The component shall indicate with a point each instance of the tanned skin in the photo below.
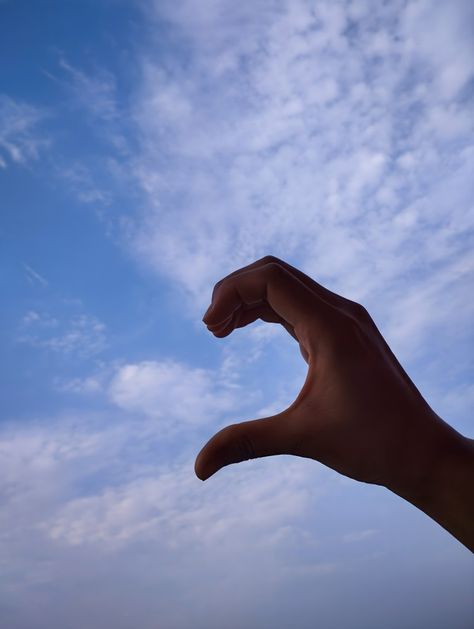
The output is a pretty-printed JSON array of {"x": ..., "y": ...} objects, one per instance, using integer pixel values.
[{"x": 358, "y": 411}]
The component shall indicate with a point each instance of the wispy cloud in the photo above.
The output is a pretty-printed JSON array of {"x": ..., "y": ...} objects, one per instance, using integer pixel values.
[
  {"x": 95, "y": 91},
  {"x": 80, "y": 180},
  {"x": 34, "y": 277},
  {"x": 80, "y": 335},
  {"x": 20, "y": 138},
  {"x": 89, "y": 384},
  {"x": 75, "y": 485},
  {"x": 358, "y": 536}
]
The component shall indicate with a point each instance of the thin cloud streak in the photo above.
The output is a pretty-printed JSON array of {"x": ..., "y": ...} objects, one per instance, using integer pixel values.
[{"x": 33, "y": 276}]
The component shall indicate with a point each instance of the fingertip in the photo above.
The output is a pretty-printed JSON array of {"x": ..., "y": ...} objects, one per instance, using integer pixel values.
[
  {"x": 203, "y": 472},
  {"x": 222, "y": 333},
  {"x": 207, "y": 314},
  {"x": 202, "y": 476},
  {"x": 200, "y": 470}
]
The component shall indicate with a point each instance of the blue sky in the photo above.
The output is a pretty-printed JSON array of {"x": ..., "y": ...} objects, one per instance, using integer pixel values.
[{"x": 147, "y": 149}]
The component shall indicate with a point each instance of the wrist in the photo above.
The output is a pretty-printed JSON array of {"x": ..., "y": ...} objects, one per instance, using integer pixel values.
[{"x": 437, "y": 476}]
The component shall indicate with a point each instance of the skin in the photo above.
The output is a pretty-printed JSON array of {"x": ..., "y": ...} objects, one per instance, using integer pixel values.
[{"x": 358, "y": 411}]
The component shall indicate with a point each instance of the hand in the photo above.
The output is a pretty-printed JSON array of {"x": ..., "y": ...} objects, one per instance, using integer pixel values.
[
  {"x": 358, "y": 412},
  {"x": 355, "y": 411}
]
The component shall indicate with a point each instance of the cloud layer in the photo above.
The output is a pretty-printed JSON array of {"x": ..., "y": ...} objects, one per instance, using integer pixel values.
[{"x": 338, "y": 136}]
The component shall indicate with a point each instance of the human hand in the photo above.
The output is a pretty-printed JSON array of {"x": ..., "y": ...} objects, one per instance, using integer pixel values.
[
  {"x": 357, "y": 406},
  {"x": 358, "y": 411}
]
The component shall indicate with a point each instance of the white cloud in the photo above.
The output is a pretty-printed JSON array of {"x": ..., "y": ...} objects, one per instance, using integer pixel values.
[
  {"x": 172, "y": 392},
  {"x": 441, "y": 37},
  {"x": 34, "y": 277},
  {"x": 81, "y": 182},
  {"x": 172, "y": 507},
  {"x": 322, "y": 140},
  {"x": 20, "y": 141},
  {"x": 87, "y": 385},
  {"x": 31, "y": 316},
  {"x": 246, "y": 347},
  {"x": 96, "y": 91},
  {"x": 424, "y": 310},
  {"x": 357, "y": 536},
  {"x": 81, "y": 334},
  {"x": 76, "y": 483}
]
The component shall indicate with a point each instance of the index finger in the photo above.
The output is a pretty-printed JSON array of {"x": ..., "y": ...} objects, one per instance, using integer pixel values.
[
  {"x": 332, "y": 298},
  {"x": 288, "y": 297}
]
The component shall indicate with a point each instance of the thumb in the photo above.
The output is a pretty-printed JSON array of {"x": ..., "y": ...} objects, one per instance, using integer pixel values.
[{"x": 241, "y": 442}]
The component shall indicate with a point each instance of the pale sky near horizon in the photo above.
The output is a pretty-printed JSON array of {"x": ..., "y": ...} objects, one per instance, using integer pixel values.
[{"x": 147, "y": 149}]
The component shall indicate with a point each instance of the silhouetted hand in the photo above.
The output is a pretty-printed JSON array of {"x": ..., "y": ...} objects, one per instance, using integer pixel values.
[{"x": 358, "y": 411}]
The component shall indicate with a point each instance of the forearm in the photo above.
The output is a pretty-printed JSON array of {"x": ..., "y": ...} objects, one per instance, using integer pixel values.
[{"x": 439, "y": 479}]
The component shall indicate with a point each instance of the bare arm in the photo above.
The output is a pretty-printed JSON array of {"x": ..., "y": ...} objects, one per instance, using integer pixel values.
[
  {"x": 441, "y": 483},
  {"x": 358, "y": 411}
]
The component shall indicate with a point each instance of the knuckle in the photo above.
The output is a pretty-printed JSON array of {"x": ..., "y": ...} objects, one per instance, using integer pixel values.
[
  {"x": 217, "y": 285},
  {"x": 350, "y": 336},
  {"x": 269, "y": 260},
  {"x": 357, "y": 310}
]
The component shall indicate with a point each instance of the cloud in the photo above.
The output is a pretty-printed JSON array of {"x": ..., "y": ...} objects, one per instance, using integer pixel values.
[
  {"x": 87, "y": 385},
  {"x": 424, "y": 311},
  {"x": 20, "y": 141},
  {"x": 247, "y": 347},
  {"x": 358, "y": 536},
  {"x": 81, "y": 334},
  {"x": 81, "y": 182},
  {"x": 172, "y": 392},
  {"x": 96, "y": 92},
  {"x": 446, "y": 47},
  {"x": 326, "y": 136},
  {"x": 34, "y": 277},
  {"x": 81, "y": 492},
  {"x": 168, "y": 507}
]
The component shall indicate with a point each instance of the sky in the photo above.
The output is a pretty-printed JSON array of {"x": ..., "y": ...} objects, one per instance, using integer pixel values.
[{"x": 147, "y": 149}]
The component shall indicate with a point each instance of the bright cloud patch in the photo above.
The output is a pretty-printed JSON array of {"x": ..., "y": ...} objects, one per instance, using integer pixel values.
[{"x": 170, "y": 390}]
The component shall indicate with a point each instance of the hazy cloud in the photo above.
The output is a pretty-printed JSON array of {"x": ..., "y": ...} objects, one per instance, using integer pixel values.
[
  {"x": 80, "y": 334},
  {"x": 20, "y": 139}
]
